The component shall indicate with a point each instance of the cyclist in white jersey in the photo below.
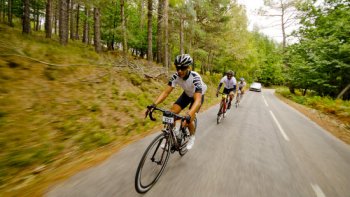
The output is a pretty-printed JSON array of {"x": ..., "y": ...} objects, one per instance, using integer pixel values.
[
  {"x": 229, "y": 82},
  {"x": 194, "y": 89},
  {"x": 241, "y": 85}
]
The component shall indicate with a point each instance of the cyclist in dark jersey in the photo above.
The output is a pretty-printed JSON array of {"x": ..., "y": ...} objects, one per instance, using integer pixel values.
[{"x": 194, "y": 89}]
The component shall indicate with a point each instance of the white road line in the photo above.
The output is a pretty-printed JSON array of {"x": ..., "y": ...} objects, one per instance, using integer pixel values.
[
  {"x": 265, "y": 102},
  {"x": 279, "y": 126},
  {"x": 318, "y": 190}
]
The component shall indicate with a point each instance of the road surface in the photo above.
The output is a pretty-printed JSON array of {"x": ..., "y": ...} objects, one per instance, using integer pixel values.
[{"x": 264, "y": 148}]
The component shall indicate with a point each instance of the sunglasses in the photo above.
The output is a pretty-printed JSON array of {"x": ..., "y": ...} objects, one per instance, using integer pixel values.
[
  {"x": 229, "y": 75},
  {"x": 181, "y": 68}
]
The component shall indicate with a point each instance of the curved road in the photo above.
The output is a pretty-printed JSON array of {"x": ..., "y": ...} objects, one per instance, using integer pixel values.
[{"x": 264, "y": 148}]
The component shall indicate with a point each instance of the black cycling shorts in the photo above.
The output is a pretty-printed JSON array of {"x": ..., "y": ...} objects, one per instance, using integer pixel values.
[
  {"x": 227, "y": 91},
  {"x": 184, "y": 100}
]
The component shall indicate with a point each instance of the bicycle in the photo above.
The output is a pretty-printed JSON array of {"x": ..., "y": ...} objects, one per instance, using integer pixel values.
[
  {"x": 156, "y": 156},
  {"x": 223, "y": 107},
  {"x": 238, "y": 97}
]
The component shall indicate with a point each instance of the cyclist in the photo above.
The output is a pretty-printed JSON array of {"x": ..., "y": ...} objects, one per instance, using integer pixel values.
[
  {"x": 241, "y": 85},
  {"x": 230, "y": 86},
  {"x": 194, "y": 89}
]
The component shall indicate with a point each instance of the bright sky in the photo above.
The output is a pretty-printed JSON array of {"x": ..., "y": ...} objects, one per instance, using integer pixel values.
[{"x": 269, "y": 26}]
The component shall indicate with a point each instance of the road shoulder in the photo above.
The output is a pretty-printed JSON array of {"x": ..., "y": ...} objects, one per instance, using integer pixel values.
[{"x": 328, "y": 122}]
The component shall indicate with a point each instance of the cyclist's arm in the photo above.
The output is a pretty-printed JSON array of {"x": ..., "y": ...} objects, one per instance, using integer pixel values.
[
  {"x": 219, "y": 87},
  {"x": 163, "y": 95},
  {"x": 197, "y": 97}
]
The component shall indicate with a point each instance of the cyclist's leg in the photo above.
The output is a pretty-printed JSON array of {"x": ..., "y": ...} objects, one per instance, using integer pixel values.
[
  {"x": 227, "y": 92},
  {"x": 192, "y": 125},
  {"x": 182, "y": 102},
  {"x": 231, "y": 95}
]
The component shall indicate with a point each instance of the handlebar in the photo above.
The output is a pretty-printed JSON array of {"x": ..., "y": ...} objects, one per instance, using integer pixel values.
[{"x": 150, "y": 114}]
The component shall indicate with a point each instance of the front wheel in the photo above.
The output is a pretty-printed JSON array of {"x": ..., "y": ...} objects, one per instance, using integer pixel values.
[
  {"x": 220, "y": 113},
  {"x": 152, "y": 163}
]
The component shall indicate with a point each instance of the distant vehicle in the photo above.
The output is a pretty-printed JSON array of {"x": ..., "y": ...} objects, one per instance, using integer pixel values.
[{"x": 255, "y": 86}]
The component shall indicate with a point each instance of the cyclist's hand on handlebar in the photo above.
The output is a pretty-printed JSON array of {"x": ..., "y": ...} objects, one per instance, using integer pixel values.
[
  {"x": 150, "y": 108},
  {"x": 188, "y": 119}
]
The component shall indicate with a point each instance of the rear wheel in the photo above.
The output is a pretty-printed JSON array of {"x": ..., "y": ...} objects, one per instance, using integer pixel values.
[{"x": 152, "y": 163}]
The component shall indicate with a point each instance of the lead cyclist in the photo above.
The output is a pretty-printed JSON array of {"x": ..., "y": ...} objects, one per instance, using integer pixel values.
[{"x": 193, "y": 94}]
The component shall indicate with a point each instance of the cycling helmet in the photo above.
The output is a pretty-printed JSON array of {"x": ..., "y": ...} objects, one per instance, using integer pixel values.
[
  {"x": 183, "y": 60},
  {"x": 230, "y": 72},
  {"x": 242, "y": 79}
]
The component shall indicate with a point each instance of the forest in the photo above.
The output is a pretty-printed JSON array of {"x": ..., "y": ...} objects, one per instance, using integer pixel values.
[{"x": 214, "y": 32}]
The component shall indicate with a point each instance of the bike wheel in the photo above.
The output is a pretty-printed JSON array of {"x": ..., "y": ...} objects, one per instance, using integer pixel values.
[
  {"x": 220, "y": 114},
  {"x": 183, "y": 148},
  {"x": 152, "y": 163}
]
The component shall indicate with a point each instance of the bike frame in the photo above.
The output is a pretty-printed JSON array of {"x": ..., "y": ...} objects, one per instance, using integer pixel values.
[
  {"x": 224, "y": 102},
  {"x": 169, "y": 128}
]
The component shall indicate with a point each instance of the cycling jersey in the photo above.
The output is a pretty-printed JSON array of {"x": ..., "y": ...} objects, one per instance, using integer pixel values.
[
  {"x": 191, "y": 84},
  {"x": 229, "y": 84},
  {"x": 241, "y": 85}
]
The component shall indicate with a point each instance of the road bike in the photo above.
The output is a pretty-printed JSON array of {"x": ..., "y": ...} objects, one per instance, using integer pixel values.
[
  {"x": 157, "y": 154},
  {"x": 223, "y": 107},
  {"x": 238, "y": 97}
]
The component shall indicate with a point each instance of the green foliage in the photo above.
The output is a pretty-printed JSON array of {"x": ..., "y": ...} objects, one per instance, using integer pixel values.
[
  {"x": 328, "y": 105},
  {"x": 320, "y": 61}
]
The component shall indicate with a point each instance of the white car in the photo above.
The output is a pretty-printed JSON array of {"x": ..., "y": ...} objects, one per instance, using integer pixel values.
[{"x": 255, "y": 86}]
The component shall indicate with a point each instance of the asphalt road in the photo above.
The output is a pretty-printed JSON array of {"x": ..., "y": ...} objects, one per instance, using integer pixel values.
[{"x": 263, "y": 148}]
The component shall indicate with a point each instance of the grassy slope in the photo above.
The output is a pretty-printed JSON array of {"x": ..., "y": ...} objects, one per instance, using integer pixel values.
[{"x": 68, "y": 111}]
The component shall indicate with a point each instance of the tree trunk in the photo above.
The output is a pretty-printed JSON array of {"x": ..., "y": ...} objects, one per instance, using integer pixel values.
[
  {"x": 71, "y": 20},
  {"x": 283, "y": 27},
  {"x": 340, "y": 95},
  {"x": 77, "y": 23},
  {"x": 26, "y": 17},
  {"x": 166, "y": 36},
  {"x": 85, "y": 26},
  {"x": 63, "y": 22},
  {"x": 182, "y": 51},
  {"x": 142, "y": 2},
  {"x": 4, "y": 11},
  {"x": 160, "y": 31},
  {"x": 89, "y": 29},
  {"x": 56, "y": 17},
  {"x": 9, "y": 13},
  {"x": 97, "y": 34},
  {"x": 48, "y": 19},
  {"x": 149, "y": 33},
  {"x": 37, "y": 17},
  {"x": 2, "y": 4},
  {"x": 125, "y": 43},
  {"x": 304, "y": 92}
]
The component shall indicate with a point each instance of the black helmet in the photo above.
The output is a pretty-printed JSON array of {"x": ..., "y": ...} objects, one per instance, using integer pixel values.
[{"x": 183, "y": 60}]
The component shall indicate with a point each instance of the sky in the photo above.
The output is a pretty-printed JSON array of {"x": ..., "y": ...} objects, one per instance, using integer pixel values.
[{"x": 269, "y": 26}]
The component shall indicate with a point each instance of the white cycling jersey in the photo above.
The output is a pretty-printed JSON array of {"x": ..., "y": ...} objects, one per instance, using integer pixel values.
[
  {"x": 228, "y": 84},
  {"x": 191, "y": 83},
  {"x": 241, "y": 84}
]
